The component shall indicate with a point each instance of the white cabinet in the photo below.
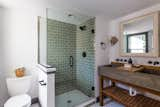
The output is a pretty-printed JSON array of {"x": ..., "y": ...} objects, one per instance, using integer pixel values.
[{"x": 47, "y": 89}]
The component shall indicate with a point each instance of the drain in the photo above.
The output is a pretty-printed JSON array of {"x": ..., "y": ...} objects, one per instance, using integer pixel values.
[{"x": 69, "y": 101}]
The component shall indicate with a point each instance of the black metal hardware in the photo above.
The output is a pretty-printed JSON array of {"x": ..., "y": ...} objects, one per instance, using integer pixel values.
[
  {"x": 69, "y": 101},
  {"x": 93, "y": 31},
  {"x": 155, "y": 63},
  {"x": 71, "y": 61},
  {"x": 84, "y": 54},
  {"x": 150, "y": 62},
  {"x": 121, "y": 60},
  {"x": 42, "y": 83},
  {"x": 93, "y": 88},
  {"x": 82, "y": 28},
  {"x": 102, "y": 43},
  {"x": 117, "y": 59},
  {"x": 125, "y": 60},
  {"x": 130, "y": 61}
]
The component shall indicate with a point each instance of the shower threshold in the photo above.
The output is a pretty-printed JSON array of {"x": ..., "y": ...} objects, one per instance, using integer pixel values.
[{"x": 74, "y": 98}]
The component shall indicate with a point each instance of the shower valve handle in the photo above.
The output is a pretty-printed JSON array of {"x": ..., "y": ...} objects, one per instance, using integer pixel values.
[{"x": 71, "y": 61}]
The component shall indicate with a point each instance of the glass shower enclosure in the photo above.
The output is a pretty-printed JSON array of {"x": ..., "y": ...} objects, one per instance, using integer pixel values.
[{"x": 69, "y": 43}]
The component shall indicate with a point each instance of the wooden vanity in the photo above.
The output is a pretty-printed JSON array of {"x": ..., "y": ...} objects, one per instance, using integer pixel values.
[{"x": 142, "y": 82}]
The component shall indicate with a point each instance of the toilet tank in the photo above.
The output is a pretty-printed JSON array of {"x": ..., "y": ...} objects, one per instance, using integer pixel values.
[{"x": 17, "y": 86}]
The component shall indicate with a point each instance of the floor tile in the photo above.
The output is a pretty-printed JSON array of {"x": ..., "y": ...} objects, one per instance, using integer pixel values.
[
  {"x": 108, "y": 103},
  {"x": 71, "y": 99}
]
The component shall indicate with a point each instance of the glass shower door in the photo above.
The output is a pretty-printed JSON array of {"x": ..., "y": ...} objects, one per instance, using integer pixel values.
[{"x": 61, "y": 45}]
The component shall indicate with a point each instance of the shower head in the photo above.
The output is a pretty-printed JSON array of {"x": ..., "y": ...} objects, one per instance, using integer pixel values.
[{"x": 82, "y": 28}]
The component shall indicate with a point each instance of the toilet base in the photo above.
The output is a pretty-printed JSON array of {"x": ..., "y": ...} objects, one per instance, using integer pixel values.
[{"x": 19, "y": 101}]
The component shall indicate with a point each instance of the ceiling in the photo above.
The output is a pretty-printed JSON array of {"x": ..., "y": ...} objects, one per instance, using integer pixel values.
[
  {"x": 108, "y": 8},
  {"x": 67, "y": 16}
]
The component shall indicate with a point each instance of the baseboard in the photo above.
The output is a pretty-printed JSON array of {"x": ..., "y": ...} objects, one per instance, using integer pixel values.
[{"x": 34, "y": 100}]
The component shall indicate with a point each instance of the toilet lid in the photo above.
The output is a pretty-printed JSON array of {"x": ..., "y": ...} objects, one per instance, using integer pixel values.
[{"x": 18, "y": 101}]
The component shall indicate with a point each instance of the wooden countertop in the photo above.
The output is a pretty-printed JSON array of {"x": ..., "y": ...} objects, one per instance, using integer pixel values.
[
  {"x": 141, "y": 81},
  {"x": 132, "y": 69}
]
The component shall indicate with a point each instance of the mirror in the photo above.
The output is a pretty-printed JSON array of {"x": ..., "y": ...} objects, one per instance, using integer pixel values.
[{"x": 138, "y": 36}]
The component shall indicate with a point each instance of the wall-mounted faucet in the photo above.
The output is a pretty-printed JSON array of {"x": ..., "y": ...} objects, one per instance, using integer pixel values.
[
  {"x": 150, "y": 62},
  {"x": 155, "y": 63}
]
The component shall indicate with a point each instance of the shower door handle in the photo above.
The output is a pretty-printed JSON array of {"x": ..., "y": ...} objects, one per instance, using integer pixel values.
[{"x": 71, "y": 61}]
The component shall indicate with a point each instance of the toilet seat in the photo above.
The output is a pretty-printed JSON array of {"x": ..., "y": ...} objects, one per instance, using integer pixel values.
[{"x": 19, "y": 101}]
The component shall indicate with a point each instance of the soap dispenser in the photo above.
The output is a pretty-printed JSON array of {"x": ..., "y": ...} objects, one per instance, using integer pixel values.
[
  {"x": 129, "y": 64},
  {"x": 130, "y": 61}
]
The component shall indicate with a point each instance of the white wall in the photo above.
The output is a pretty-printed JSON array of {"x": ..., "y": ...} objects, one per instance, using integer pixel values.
[
  {"x": 42, "y": 41},
  {"x": 101, "y": 56},
  {"x": 3, "y": 92},
  {"x": 19, "y": 44},
  {"x": 114, "y": 30}
]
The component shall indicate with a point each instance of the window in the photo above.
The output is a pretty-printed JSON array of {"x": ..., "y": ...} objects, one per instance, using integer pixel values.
[{"x": 137, "y": 43}]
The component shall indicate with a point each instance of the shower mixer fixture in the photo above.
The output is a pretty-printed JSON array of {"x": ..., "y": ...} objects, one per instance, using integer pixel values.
[
  {"x": 93, "y": 31},
  {"x": 82, "y": 28}
]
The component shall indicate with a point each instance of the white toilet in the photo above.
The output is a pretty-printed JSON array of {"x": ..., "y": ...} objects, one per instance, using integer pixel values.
[{"x": 18, "y": 88}]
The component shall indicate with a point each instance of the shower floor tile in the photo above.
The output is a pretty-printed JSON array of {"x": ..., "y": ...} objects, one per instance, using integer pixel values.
[
  {"x": 64, "y": 87},
  {"x": 71, "y": 99}
]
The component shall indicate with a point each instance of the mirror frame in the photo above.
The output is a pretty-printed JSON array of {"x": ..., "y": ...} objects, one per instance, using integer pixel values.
[{"x": 156, "y": 38}]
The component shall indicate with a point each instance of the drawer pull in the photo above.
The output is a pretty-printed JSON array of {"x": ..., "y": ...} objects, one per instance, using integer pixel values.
[{"x": 42, "y": 83}]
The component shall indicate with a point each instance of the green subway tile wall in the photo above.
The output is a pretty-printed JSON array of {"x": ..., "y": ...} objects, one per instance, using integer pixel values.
[
  {"x": 85, "y": 67},
  {"x": 65, "y": 40},
  {"x": 61, "y": 44}
]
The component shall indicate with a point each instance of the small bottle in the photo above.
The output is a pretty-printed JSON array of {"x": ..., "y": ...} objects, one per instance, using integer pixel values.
[{"x": 130, "y": 61}]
